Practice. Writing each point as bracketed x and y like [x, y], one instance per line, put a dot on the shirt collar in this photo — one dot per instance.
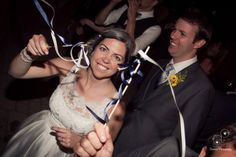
[181, 65]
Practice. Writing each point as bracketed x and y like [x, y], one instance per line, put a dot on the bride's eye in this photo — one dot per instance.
[117, 58]
[103, 49]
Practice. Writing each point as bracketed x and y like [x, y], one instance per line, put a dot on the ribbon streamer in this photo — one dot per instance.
[125, 82]
[83, 55]
[182, 127]
[83, 51]
[127, 85]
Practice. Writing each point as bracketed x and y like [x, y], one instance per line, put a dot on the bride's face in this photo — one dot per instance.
[106, 57]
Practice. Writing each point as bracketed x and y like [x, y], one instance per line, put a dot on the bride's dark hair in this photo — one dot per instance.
[113, 33]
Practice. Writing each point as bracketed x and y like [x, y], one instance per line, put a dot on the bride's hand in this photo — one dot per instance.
[37, 46]
[66, 137]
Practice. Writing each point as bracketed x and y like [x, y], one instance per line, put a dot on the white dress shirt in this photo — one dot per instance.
[177, 67]
[147, 37]
[181, 65]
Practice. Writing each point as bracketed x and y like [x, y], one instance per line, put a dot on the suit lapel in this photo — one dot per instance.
[190, 70]
[151, 82]
[151, 90]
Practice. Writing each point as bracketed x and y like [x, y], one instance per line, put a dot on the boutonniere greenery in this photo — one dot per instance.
[177, 78]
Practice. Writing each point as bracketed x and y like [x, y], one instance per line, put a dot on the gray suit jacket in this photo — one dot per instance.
[153, 116]
[168, 147]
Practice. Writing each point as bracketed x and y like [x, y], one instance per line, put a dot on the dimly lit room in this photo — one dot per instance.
[20, 97]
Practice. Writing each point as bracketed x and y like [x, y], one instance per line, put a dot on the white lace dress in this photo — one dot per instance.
[67, 110]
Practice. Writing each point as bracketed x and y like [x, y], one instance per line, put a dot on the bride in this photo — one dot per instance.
[79, 100]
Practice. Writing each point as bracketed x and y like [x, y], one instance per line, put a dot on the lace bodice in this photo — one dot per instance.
[69, 108]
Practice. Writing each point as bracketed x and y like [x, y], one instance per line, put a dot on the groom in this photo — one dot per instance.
[152, 116]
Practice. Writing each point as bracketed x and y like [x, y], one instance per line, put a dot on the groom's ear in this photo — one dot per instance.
[200, 43]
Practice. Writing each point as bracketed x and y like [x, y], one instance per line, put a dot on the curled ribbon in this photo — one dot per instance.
[83, 51]
[83, 55]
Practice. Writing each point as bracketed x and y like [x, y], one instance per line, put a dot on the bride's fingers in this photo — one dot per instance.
[94, 140]
[60, 139]
[58, 129]
[88, 147]
[64, 142]
[64, 135]
[80, 151]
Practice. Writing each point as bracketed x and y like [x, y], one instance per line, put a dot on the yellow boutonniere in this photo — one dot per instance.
[175, 79]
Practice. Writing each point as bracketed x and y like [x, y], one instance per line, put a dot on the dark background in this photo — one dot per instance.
[20, 20]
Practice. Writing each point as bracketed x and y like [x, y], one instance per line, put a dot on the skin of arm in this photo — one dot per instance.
[37, 46]
[101, 17]
[131, 22]
[92, 25]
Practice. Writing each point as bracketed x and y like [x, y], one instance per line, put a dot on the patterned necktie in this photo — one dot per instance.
[169, 68]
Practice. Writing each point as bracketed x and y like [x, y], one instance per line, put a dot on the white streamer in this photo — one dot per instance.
[182, 127]
[83, 47]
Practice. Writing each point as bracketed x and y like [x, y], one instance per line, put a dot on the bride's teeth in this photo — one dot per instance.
[101, 67]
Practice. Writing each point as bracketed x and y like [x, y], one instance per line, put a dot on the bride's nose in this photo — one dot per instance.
[107, 58]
